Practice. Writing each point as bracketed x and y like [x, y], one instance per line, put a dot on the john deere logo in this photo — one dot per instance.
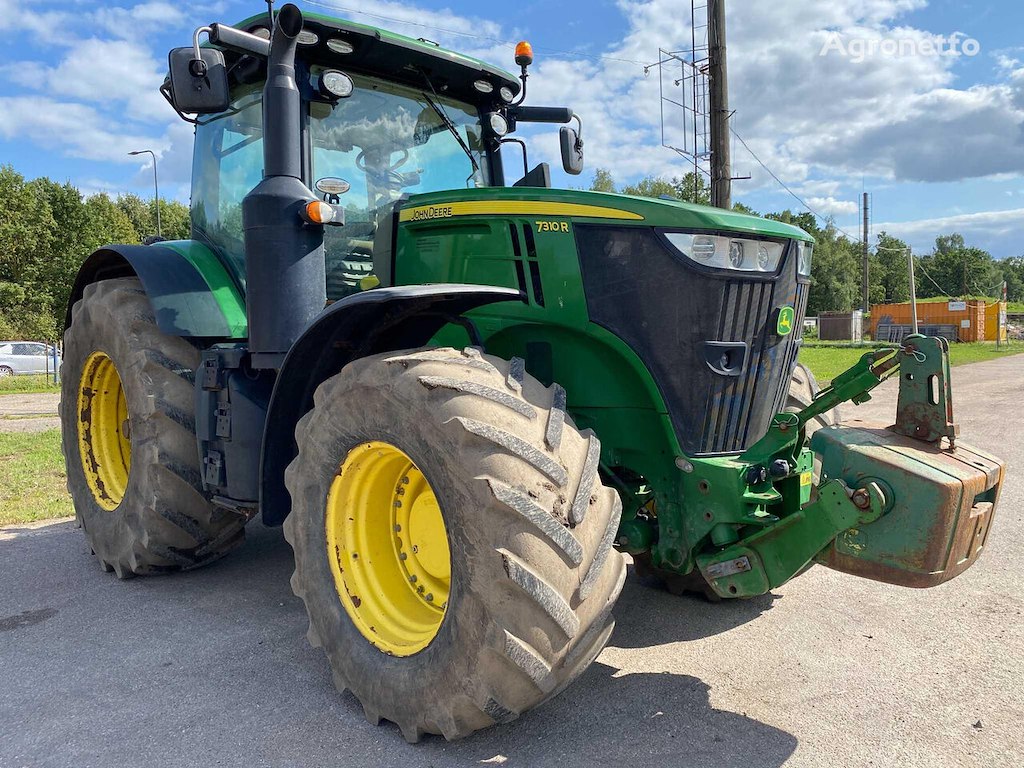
[784, 325]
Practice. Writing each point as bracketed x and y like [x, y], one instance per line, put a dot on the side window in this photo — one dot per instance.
[38, 350]
[227, 163]
[5, 349]
[23, 349]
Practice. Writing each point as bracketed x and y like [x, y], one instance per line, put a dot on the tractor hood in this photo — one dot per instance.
[719, 342]
[596, 206]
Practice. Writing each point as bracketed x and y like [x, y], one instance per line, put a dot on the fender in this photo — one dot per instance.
[363, 324]
[191, 292]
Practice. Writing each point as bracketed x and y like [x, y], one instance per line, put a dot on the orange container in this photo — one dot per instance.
[970, 318]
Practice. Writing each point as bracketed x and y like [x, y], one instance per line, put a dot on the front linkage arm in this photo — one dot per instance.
[785, 543]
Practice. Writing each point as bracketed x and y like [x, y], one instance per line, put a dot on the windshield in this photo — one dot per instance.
[382, 142]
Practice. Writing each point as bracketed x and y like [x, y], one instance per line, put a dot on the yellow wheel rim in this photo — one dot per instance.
[388, 548]
[104, 431]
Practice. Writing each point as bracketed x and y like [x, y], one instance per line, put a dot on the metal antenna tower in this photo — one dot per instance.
[684, 88]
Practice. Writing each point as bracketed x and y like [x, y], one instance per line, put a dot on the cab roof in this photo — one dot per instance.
[394, 56]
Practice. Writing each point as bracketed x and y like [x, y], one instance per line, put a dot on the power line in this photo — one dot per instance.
[783, 184]
[473, 35]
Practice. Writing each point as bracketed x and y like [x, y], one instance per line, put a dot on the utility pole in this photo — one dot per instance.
[718, 74]
[864, 261]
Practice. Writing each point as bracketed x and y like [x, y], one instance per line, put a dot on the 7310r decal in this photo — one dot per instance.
[553, 226]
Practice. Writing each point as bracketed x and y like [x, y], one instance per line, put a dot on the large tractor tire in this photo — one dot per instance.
[128, 420]
[453, 542]
[802, 389]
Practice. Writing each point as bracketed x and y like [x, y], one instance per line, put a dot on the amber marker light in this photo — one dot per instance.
[524, 53]
[317, 212]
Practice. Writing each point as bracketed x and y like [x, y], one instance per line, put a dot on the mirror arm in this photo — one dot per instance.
[165, 91]
[197, 66]
[521, 143]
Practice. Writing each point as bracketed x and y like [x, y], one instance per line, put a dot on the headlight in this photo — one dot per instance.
[499, 125]
[733, 253]
[803, 257]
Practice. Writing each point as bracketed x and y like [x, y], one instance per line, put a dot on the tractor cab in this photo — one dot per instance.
[384, 117]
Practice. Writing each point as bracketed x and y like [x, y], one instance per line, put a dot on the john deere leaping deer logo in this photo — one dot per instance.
[784, 325]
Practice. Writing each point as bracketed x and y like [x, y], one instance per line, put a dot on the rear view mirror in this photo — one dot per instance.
[198, 86]
[572, 150]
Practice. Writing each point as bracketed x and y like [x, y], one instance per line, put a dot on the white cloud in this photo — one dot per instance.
[1000, 232]
[139, 19]
[109, 72]
[67, 129]
[830, 206]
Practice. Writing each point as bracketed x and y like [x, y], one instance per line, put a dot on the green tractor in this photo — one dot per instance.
[464, 398]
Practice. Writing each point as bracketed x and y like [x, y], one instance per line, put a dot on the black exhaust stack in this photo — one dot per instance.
[285, 278]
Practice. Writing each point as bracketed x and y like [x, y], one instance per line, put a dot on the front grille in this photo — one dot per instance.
[732, 420]
[666, 311]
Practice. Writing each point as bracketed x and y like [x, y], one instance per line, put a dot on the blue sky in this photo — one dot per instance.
[938, 140]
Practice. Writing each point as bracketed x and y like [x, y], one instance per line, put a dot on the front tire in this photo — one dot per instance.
[531, 576]
[128, 434]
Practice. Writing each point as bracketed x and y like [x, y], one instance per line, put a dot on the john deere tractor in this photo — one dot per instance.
[464, 397]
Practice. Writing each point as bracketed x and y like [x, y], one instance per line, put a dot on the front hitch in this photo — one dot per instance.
[906, 504]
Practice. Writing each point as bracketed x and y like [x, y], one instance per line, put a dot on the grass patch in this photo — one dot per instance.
[32, 478]
[27, 385]
[827, 361]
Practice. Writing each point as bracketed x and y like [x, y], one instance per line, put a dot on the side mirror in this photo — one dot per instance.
[572, 149]
[198, 85]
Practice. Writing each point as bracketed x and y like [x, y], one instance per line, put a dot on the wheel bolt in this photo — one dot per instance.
[412, 579]
[402, 556]
[861, 499]
[398, 528]
[430, 597]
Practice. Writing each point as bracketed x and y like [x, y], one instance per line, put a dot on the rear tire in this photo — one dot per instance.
[529, 525]
[158, 519]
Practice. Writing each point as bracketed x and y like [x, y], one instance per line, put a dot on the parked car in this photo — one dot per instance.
[23, 357]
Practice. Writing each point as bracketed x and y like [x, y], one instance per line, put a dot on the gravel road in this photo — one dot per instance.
[212, 667]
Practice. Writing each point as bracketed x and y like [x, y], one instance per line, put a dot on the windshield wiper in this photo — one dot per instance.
[447, 121]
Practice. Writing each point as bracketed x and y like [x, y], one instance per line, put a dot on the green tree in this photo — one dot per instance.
[174, 217]
[27, 230]
[603, 181]
[835, 272]
[66, 251]
[1012, 270]
[692, 188]
[956, 269]
[889, 270]
[105, 224]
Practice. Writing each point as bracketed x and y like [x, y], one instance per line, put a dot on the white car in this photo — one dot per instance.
[23, 357]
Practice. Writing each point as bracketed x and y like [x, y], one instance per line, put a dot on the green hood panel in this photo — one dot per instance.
[591, 206]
